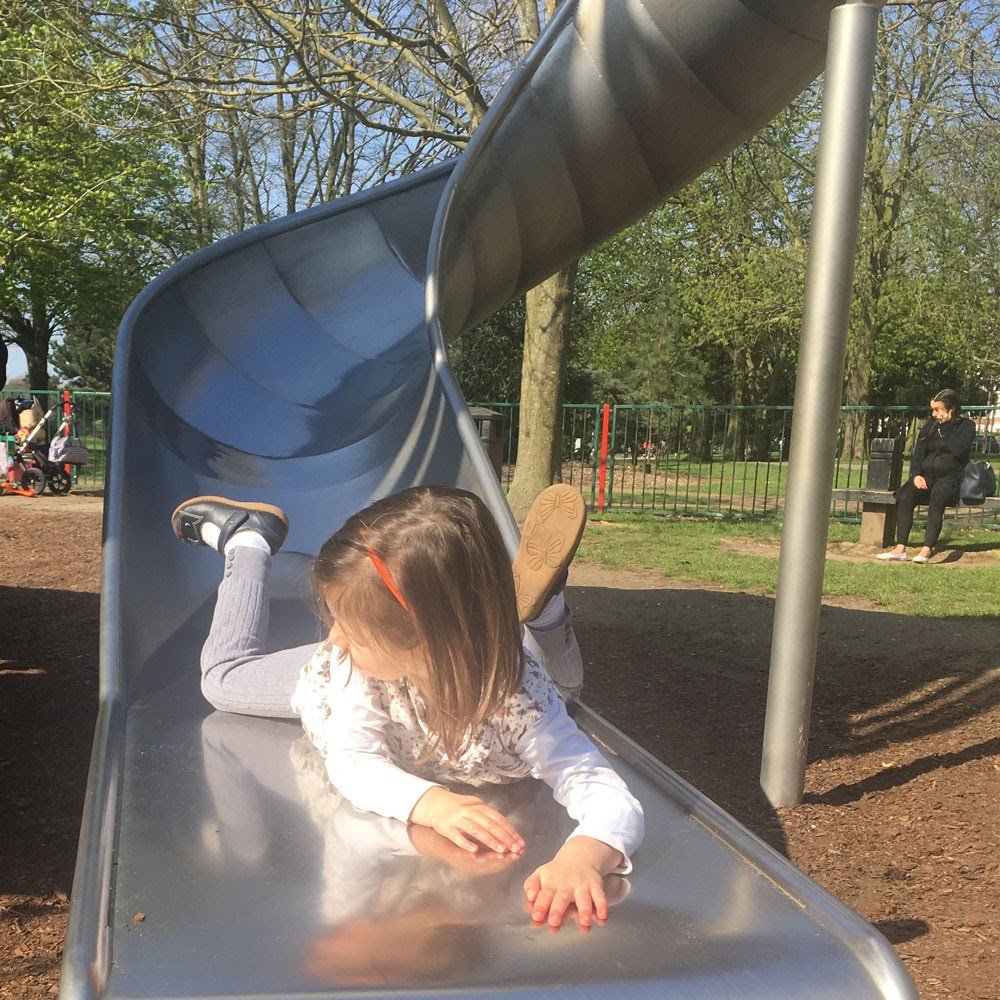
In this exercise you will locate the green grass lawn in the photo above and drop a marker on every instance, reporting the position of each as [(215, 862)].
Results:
[(679, 483), (702, 551)]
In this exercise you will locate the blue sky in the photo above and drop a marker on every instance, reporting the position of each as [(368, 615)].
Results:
[(17, 364)]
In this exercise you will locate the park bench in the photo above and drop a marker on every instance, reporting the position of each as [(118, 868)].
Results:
[(877, 499)]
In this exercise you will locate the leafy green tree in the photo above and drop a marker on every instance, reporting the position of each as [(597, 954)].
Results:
[(939, 324), (629, 336), (701, 301), (487, 360), (354, 93), (84, 355), (933, 63), (89, 209)]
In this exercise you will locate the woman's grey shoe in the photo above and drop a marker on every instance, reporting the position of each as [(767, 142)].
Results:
[(230, 517), (893, 556)]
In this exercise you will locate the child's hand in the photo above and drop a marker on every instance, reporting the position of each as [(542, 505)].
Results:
[(432, 845), (573, 876), (459, 817)]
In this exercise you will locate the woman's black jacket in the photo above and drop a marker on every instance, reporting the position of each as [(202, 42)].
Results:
[(942, 450)]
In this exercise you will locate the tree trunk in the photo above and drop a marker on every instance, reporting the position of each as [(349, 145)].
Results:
[(548, 307), (38, 372), (734, 444), (539, 444), (860, 354), (32, 334), (700, 449), (39, 338)]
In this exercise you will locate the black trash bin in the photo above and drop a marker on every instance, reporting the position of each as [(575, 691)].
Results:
[(492, 427)]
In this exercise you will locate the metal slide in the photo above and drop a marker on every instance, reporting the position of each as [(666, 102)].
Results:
[(303, 363)]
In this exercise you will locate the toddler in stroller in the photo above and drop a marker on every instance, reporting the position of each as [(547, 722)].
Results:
[(29, 468)]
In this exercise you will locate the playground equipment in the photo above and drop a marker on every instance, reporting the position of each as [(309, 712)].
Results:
[(303, 363)]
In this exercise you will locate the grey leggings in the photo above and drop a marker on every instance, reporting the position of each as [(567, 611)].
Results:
[(239, 675), (237, 672)]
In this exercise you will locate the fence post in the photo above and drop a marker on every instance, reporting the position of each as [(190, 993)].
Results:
[(595, 452), (602, 476)]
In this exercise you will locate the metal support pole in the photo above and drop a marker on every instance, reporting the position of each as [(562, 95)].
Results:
[(850, 64)]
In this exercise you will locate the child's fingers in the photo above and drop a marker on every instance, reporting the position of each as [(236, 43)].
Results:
[(502, 829), (542, 904), (483, 835), (557, 908), (584, 907), (457, 815), (531, 886), (456, 837), (493, 830), (600, 901)]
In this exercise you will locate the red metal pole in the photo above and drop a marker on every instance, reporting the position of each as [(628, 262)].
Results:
[(602, 473), (67, 402)]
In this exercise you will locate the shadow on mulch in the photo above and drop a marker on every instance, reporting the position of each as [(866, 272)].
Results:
[(901, 931), (895, 776), (48, 706), (956, 553), (684, 673)]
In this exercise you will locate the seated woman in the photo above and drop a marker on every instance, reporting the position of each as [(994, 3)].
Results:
[(939, 456)]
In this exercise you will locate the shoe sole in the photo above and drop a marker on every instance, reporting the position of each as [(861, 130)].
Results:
[(265, 508), (552, 531)]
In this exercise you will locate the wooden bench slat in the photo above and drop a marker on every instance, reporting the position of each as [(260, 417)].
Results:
[(865, 496), (991, 504)]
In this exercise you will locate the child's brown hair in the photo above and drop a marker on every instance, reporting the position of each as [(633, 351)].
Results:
[(427, 569)]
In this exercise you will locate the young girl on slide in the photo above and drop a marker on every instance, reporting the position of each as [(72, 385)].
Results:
[(424, 679)]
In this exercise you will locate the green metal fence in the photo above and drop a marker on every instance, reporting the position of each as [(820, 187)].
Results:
[(719, 460), (665, 459), (90, 421), (581, 426)]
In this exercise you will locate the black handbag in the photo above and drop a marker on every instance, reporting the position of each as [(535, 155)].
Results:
[(979, 481)]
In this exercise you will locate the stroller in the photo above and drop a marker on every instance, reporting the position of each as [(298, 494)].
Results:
[(29, 470)]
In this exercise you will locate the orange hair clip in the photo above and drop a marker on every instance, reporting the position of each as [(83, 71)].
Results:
[(383, 571)]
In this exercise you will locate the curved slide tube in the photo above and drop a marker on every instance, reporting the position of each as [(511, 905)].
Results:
[(303, 363)]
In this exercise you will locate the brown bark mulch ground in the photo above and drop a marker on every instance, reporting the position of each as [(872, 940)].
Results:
[(901, 813)]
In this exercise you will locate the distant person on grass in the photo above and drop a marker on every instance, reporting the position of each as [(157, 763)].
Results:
[(939, 456)]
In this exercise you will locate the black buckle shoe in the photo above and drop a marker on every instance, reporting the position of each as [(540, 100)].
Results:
[(230, 517)]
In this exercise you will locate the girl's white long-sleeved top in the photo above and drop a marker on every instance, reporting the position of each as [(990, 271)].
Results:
[(373, 737)]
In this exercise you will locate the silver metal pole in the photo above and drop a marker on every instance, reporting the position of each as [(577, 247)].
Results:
[(850, 65)]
